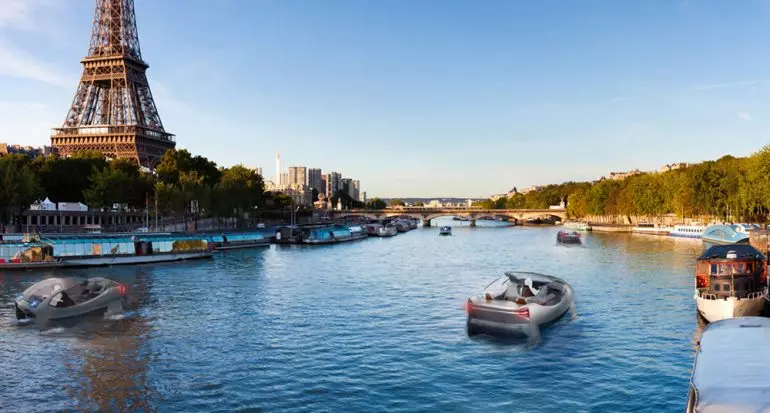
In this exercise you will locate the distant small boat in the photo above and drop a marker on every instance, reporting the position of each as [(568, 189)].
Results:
[(647, 228), (568, 237), (461, 219), (725, 375), (730, 281), (725, 234), (445, 230), (577, 226)]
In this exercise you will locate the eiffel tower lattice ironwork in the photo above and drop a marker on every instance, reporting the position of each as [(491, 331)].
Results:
[(113, 110)]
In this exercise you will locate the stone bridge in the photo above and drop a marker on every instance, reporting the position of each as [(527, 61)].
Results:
[(429, 214)]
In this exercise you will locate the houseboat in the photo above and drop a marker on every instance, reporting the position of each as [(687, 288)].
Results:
[(87, 251), (728, 374), (647, 228), (288, 234), (373, 229), (124, 250), (387, 231), (238, 241), (725, 234), (577, 226), (333, 235), (687, 231), (402, 226), (28, 256), (730, 281)]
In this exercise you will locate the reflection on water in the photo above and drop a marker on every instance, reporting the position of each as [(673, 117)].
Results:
[(371, 325)]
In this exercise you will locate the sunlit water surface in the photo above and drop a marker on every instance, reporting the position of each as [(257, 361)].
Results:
[(375, 325)]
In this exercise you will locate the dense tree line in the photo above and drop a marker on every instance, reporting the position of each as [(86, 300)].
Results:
[(728, 188), (181, 185)]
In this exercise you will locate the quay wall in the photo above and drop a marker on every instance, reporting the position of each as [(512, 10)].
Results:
[(632, 220)]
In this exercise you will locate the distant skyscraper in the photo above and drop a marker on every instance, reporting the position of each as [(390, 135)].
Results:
[(322, 189), (356, 190), (284, 179), (297, 175), (278, 168), (333, 183), (258, 170), (314, 179), (347, 186), (363, 197)]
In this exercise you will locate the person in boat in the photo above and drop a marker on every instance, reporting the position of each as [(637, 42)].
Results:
[(528, 290)]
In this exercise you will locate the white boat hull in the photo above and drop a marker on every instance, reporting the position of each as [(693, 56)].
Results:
[(731, 307), (134, 259)]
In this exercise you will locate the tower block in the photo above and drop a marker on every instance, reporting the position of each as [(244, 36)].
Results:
[(113, 110)]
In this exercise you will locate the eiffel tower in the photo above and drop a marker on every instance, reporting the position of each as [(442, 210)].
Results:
[(113, 111)]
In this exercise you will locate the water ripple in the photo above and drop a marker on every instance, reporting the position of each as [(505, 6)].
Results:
[(376, 325)]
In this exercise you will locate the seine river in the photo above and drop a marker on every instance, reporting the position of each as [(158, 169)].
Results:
[(375, 325)]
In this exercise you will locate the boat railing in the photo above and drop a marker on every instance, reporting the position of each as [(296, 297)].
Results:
[(755, 294), (704, 294)]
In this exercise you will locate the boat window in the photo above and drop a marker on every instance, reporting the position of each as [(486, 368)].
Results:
[(749, 267), (714, 269), (716, 287)]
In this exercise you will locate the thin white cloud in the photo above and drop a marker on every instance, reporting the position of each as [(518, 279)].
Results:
[(745, 116), (728, 85), (24, 14), (19, 64)]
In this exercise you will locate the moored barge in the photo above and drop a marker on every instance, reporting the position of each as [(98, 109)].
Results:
[(730, 281)]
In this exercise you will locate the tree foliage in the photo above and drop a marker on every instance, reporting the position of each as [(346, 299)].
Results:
[(728, 188)]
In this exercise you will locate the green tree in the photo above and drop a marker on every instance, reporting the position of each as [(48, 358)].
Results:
[(66, 179), (396, 202), (20, 187), (376, 203)]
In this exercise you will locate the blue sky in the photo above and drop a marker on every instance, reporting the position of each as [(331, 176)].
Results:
[(420, 98)]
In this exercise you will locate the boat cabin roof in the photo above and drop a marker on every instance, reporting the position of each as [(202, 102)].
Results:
[(728, 374), (743, 251)]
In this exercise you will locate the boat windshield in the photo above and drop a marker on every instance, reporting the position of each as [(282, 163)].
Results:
[(44, 292)]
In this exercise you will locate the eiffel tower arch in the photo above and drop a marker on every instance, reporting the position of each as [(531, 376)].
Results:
[(113, 110)]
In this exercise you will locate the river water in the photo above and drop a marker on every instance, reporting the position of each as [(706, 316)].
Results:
[(374, 325)]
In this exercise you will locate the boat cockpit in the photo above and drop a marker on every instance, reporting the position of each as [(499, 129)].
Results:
[(731, 271)]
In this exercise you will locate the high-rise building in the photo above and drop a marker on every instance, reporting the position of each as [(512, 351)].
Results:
[(284, 179), (297, 175), (258, 170), (322, 189), (278, 168), (347, 186), (314, 179), (333, 183), (356, 190), (363, 196)]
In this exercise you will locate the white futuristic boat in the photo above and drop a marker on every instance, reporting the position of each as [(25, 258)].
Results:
[(60, 298), (518, 304), (445, 230), (728, 374), (730, 281)]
